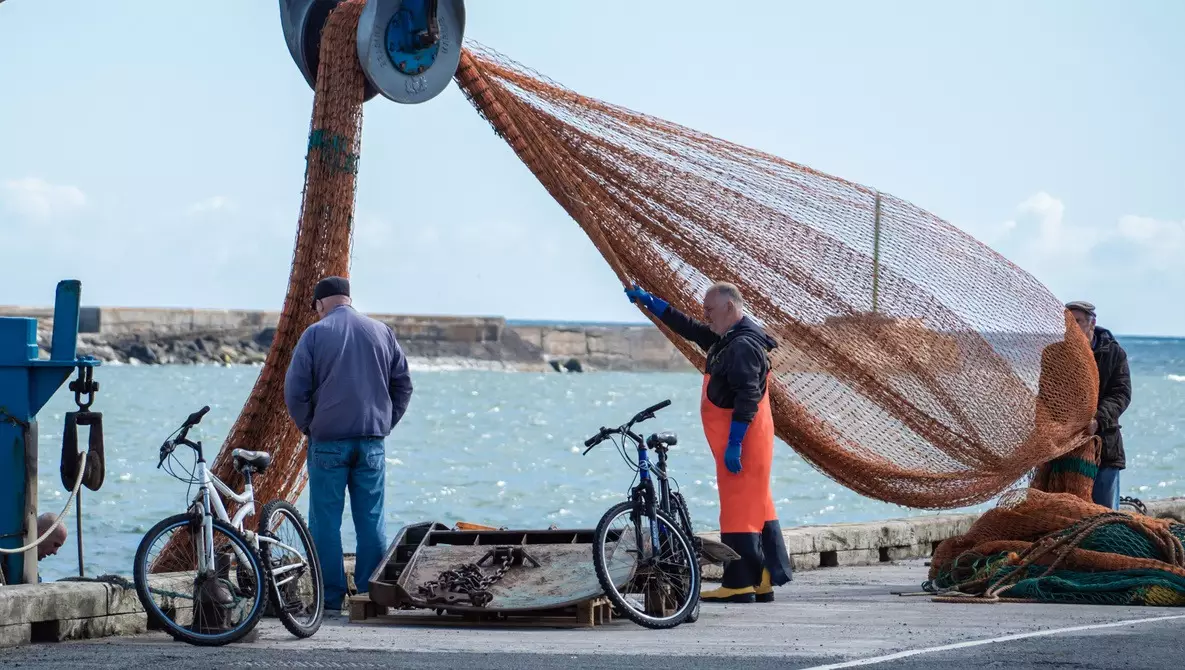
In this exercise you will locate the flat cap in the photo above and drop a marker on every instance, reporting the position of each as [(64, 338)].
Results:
[(330, 286), (1081, 306)]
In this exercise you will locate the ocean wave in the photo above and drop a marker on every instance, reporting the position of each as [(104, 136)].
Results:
[(1175, 378)]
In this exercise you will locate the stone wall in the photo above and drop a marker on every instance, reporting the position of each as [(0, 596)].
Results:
[(164, 335)]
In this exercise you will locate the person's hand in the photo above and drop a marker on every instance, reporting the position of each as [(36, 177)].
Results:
[(652, 303), (732, 457), (1093, 429), (732, 452)]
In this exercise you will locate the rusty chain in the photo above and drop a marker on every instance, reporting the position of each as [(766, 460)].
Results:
[(463, 582)]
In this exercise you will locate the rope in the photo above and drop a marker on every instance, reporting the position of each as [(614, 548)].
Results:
[(114, 580), (58, 522)]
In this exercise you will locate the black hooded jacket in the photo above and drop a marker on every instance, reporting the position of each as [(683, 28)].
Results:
[(737, 364), (1115, 394)]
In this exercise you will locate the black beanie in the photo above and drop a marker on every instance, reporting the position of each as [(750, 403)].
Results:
[(330, 286)]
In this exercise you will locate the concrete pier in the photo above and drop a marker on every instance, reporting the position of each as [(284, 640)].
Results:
[(860, 562), (824, 620)]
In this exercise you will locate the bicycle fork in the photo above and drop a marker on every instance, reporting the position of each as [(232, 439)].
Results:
[(649, 500)]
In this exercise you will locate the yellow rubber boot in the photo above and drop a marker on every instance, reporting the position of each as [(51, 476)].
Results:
[(765, 590), (723, 595)]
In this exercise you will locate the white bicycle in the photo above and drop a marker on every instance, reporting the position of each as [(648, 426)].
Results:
[(203, 577)]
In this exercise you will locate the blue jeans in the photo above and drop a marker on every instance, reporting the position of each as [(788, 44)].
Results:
[(1106, 488), (333, 466)]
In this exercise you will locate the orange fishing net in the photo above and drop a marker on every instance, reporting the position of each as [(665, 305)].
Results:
[(911, 357)]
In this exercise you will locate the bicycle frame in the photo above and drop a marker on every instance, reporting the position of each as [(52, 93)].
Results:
[(647, 489), (209, 500)]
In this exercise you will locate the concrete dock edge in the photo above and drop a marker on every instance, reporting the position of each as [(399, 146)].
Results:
[(67, 610)]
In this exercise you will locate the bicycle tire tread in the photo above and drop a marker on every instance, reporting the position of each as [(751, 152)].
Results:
[(290, 622), (176, 631), (607, 584)]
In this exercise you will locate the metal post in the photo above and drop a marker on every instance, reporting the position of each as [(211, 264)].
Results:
[(876, 252), (31, 567)]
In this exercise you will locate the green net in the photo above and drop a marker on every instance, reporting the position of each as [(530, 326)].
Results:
[(1073, 578)]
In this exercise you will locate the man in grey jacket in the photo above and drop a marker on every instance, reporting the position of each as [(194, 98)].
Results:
[(346, 388)]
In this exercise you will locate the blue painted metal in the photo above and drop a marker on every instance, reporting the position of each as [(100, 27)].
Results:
[(26, 385), (404, 38)]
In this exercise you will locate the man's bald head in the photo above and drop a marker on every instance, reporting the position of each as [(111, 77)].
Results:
[(50, 545)]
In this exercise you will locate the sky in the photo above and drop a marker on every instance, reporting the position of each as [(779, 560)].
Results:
[(154, 150)]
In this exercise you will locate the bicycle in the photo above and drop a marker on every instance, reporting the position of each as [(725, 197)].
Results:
[(669, 576), (216, 598)]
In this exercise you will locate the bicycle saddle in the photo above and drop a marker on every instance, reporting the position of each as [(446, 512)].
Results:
[(664, 439), (258, 460)]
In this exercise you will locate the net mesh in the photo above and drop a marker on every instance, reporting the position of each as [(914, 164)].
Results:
[(915, 365)]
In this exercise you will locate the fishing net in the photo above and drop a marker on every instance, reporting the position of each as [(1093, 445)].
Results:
[(1058, 547), (323, 242), (915, 365)]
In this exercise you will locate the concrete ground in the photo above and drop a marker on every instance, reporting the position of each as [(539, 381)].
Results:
[(831, 618)]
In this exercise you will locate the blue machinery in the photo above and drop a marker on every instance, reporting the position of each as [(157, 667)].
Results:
[(27, 382), (408, 49)]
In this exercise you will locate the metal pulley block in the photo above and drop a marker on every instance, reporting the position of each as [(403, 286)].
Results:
[(409, 50)]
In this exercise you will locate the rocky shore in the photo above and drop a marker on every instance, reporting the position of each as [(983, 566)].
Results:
[(188, 337)]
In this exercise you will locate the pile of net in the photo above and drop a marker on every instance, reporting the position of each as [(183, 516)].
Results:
[(1058, 547)]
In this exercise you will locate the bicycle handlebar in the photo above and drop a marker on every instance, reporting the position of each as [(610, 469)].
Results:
[(648, 413), (196, 418), (645, 414), (190, 421)]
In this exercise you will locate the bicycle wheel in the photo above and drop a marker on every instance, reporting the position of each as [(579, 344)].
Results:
[(298, 592), (653, 589), (208, 609), (679, 506)]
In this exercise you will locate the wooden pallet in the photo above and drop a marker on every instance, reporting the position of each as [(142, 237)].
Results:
[(586, 614)]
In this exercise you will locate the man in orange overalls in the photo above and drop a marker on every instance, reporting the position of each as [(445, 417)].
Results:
[(734, 408)]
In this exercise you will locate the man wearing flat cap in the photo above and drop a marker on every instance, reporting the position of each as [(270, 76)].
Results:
[(346, 388), (1115, 394)]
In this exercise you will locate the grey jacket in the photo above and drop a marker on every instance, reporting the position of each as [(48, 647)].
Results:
[(348, 378)]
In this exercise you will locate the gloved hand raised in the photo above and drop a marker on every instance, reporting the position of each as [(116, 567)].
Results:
[(654, 304), (732, 453)]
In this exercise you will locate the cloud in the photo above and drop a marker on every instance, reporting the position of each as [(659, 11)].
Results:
[(39, 200), (1042, 236), (1162, 243), (1112, 260), (212, 204)]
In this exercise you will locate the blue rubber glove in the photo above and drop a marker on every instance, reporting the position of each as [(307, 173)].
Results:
[(732, 453), (653, 303)]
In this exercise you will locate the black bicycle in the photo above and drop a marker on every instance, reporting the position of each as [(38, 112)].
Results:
[(646, 556)]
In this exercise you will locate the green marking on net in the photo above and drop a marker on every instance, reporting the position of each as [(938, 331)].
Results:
[(333, 150), (1073, 464)]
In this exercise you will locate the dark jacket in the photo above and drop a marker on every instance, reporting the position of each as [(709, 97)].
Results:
[(737, 363), (1115, 394), (348, 378)]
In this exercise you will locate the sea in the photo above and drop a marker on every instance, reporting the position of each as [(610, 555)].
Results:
[(505, 448)]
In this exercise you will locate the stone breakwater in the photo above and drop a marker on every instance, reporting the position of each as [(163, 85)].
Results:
[(139, 336)]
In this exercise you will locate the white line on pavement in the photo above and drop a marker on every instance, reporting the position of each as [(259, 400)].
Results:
[(975, 643)]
